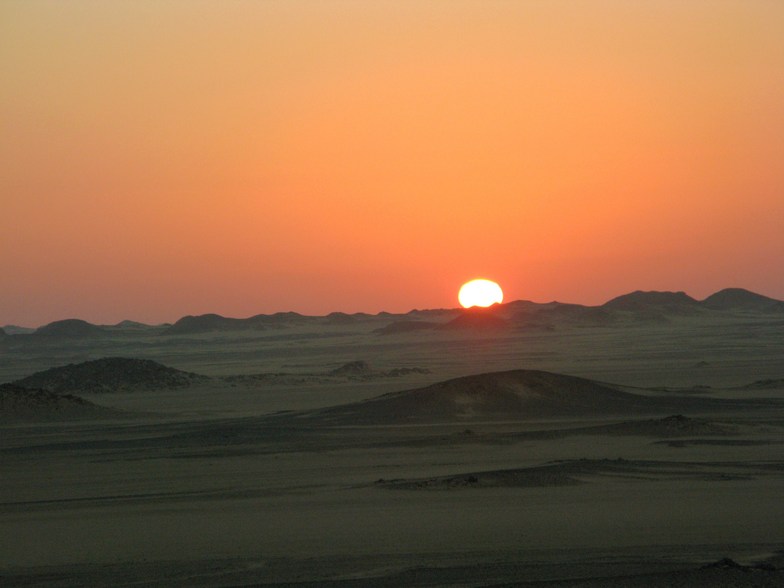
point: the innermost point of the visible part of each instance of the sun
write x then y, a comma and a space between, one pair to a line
480, 292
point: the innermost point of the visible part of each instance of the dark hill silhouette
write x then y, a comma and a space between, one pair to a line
669, 302
740, 299
433, 313
18, 403
110, 374
671, 426
517, 394
205, 323
2, 332
352, 368
769, 384
277, 319
510, 309
476, 319
131, 325
339, 318
70, 328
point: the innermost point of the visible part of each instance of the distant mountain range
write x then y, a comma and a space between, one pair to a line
639, 305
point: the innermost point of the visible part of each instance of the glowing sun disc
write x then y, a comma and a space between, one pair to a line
480, 292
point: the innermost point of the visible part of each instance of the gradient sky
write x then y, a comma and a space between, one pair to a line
162, 158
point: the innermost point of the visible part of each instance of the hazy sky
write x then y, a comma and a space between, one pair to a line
167, 158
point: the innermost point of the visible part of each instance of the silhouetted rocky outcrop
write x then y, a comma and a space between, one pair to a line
672, 426
340, 318
131, 325
769, 384
476, 320
205, 323
70, 329
740, 299
277, 319
352, 368
670, 302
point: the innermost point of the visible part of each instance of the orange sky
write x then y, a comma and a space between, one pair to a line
167, 158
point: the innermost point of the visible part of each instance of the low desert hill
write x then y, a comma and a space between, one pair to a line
133, 325
279, 319
476, 319
70, 328
740, 299
668, 427
110, 374
204, 323
669, 302
357, 371
510, 395
339, 318
208, 323
20, 404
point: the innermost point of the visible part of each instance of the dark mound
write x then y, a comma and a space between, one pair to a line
518, 394
670, 302
570, 472
671, 426
353, 368
277, 319
407, 327
24, 404
433, 313
206, 323
773, 384
476, 320
339, 318
534, 477
3, 333
740, 299
70, 328
131, 325
516, 306
111, 374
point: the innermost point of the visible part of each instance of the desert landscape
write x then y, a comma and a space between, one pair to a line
520, 444
317, 293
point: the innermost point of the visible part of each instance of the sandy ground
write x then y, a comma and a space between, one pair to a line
206, 488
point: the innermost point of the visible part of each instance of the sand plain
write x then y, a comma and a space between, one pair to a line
245, 482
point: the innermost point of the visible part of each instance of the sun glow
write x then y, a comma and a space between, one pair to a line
480, 292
